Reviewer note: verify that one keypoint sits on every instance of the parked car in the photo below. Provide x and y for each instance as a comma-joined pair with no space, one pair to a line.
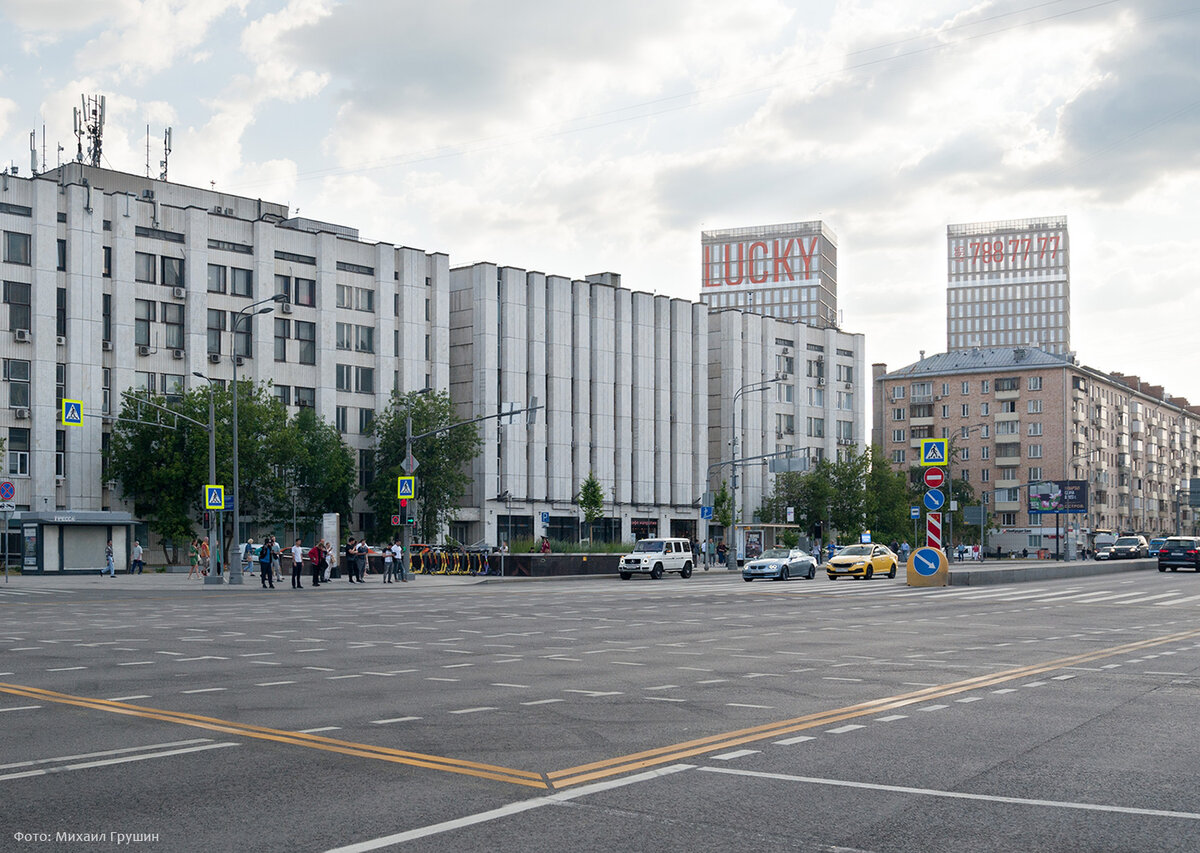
862,561
1179,552
1104,552
781,564
655,556
1156,545
1130,548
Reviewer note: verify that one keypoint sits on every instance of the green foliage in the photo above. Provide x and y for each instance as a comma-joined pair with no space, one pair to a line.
591,500
888,497
320,471
443,471
723,506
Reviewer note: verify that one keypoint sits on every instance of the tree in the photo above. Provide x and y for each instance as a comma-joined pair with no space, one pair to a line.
888,497
723,506
443,475
591,501
847,504
320,472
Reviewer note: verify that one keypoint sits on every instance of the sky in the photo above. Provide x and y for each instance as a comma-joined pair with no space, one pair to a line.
576,138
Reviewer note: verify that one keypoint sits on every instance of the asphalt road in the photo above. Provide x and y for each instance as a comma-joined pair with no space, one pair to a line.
696,715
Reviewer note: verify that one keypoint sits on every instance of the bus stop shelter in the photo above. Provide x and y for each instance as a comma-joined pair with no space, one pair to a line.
68,542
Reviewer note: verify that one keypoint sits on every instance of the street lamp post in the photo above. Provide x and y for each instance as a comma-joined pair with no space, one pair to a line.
751,388
212,577
236,577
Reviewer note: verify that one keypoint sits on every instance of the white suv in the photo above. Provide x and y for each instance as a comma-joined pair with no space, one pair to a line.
655,556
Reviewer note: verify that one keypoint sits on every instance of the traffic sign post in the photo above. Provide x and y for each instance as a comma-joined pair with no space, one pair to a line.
934,499
7,492
933,530
935,478
214,496
933,452
928,567
72,412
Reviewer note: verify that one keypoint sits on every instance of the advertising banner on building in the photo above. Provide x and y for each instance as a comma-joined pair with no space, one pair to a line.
1058,496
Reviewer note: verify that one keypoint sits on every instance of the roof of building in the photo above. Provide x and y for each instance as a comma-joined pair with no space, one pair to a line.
981,360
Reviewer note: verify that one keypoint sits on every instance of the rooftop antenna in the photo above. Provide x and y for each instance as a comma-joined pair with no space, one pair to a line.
90,120
33,169
147,151
166,154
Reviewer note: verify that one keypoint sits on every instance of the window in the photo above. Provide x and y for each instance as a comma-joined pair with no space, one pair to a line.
243,334
1035,451
845,400
845,373
983,408
364,299
922,389
898,457
144,381
18,452
1010,383
786,393
60,454
172,317
16,297
784,364
345,296
242,283
966,475
898,413
816,367
365,418
144,313
172,386
985,386
60,312
1035,407
1035,428
172,272
945,389
106,381
107,273
966,410
785,424
1035,383
16,374
283,284
364,338
366,467
364,380
897,392
816,397
945,411
16,249
985,475
62,255
845,431
1035,475
217,276
985,453
1008,519
1008,407
345,333
340,419
966,388
816,427
1008,428
306,334
343,377
283,393
306,397
143,267
282,327
898,436
306,291
216,329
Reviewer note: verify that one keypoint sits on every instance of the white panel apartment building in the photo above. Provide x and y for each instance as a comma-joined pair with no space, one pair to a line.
113,281
1008,284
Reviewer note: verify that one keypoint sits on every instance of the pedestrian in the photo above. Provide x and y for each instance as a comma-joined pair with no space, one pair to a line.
329,557
247,558
109,566
360,559
297,563
722,552
316,556
545,545
194,559
135,563
398,561
1024,553
387,564
205,557
277,559
904,550
351,547
265,573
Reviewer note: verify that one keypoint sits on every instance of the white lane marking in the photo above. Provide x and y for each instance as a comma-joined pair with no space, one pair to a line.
507,811
956,795
1177,601
841,730
132,662
21,708
1034,684
1005,690
87,765
127,698
1151,598
272,683
740,705
891,718
393,720
969,699
663,699
473,710
204,690
737,753
1061,677
593,693
106,753
712,681
933,707
319,729
793,740
65,668
339,677
543,701
625,663
502,684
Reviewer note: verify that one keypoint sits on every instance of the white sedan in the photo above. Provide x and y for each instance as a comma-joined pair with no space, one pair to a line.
781,564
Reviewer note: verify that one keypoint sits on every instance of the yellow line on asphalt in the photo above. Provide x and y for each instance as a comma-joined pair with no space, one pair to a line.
676,752
362,750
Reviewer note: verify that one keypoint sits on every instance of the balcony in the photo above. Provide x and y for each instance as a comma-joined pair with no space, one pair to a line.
1007,484
1008,506
1008,395
919,422
1007,416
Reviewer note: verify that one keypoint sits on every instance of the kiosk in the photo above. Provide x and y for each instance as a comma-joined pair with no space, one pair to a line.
69,542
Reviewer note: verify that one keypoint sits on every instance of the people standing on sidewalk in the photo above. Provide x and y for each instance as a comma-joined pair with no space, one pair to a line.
351,548
388,564
316,556
276,559
205,558
398,561
265,573
194,559
297,563
248,557
360,562
330,560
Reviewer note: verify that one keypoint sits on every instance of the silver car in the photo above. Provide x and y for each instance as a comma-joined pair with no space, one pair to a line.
781,564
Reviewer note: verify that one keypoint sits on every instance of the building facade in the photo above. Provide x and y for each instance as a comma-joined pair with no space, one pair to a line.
114,282
1018,416
1008,284
787,271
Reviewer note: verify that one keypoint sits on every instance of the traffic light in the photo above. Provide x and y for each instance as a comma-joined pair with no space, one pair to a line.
207,520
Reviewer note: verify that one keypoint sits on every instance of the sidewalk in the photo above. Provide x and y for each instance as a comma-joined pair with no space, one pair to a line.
164,581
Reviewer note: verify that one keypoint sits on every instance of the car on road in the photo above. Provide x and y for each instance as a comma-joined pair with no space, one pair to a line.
1156,545
1103,552
1130,548
1179,552
862,561
781,564
654,557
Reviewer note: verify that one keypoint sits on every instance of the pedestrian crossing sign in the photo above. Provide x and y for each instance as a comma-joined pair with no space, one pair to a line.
933,451
72,412
406,487
214,497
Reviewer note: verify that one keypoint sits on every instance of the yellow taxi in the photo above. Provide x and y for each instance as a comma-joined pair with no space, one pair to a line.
862,561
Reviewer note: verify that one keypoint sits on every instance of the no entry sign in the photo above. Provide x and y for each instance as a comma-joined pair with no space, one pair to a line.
934,477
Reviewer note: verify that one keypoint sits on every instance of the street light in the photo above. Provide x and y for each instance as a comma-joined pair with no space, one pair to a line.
236,577
751,388
212,577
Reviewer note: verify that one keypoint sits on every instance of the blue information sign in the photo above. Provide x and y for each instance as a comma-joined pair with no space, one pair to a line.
934,500
914,512
706,512
926,561
545,518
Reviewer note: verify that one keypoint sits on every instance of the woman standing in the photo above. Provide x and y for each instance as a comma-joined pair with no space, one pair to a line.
194,560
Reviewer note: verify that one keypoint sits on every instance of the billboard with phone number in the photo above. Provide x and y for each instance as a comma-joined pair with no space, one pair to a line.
1058,496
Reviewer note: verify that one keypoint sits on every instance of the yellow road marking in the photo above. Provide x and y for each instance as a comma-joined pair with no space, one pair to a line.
362,750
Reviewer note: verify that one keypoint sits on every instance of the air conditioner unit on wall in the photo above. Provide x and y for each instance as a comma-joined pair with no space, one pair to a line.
820,380
60,340
214,357
179,292
106,346
22,414
849,386
143,350
22,336
285,308
176,353
240,361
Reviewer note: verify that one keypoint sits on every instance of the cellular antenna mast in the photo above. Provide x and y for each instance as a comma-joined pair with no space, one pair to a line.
90,121
33,169
166,154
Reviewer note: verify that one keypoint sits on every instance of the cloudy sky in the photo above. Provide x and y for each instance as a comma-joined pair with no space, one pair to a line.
575,137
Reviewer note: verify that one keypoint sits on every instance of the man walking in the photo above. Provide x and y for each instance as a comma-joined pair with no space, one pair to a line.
109,566
297,564
135,563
